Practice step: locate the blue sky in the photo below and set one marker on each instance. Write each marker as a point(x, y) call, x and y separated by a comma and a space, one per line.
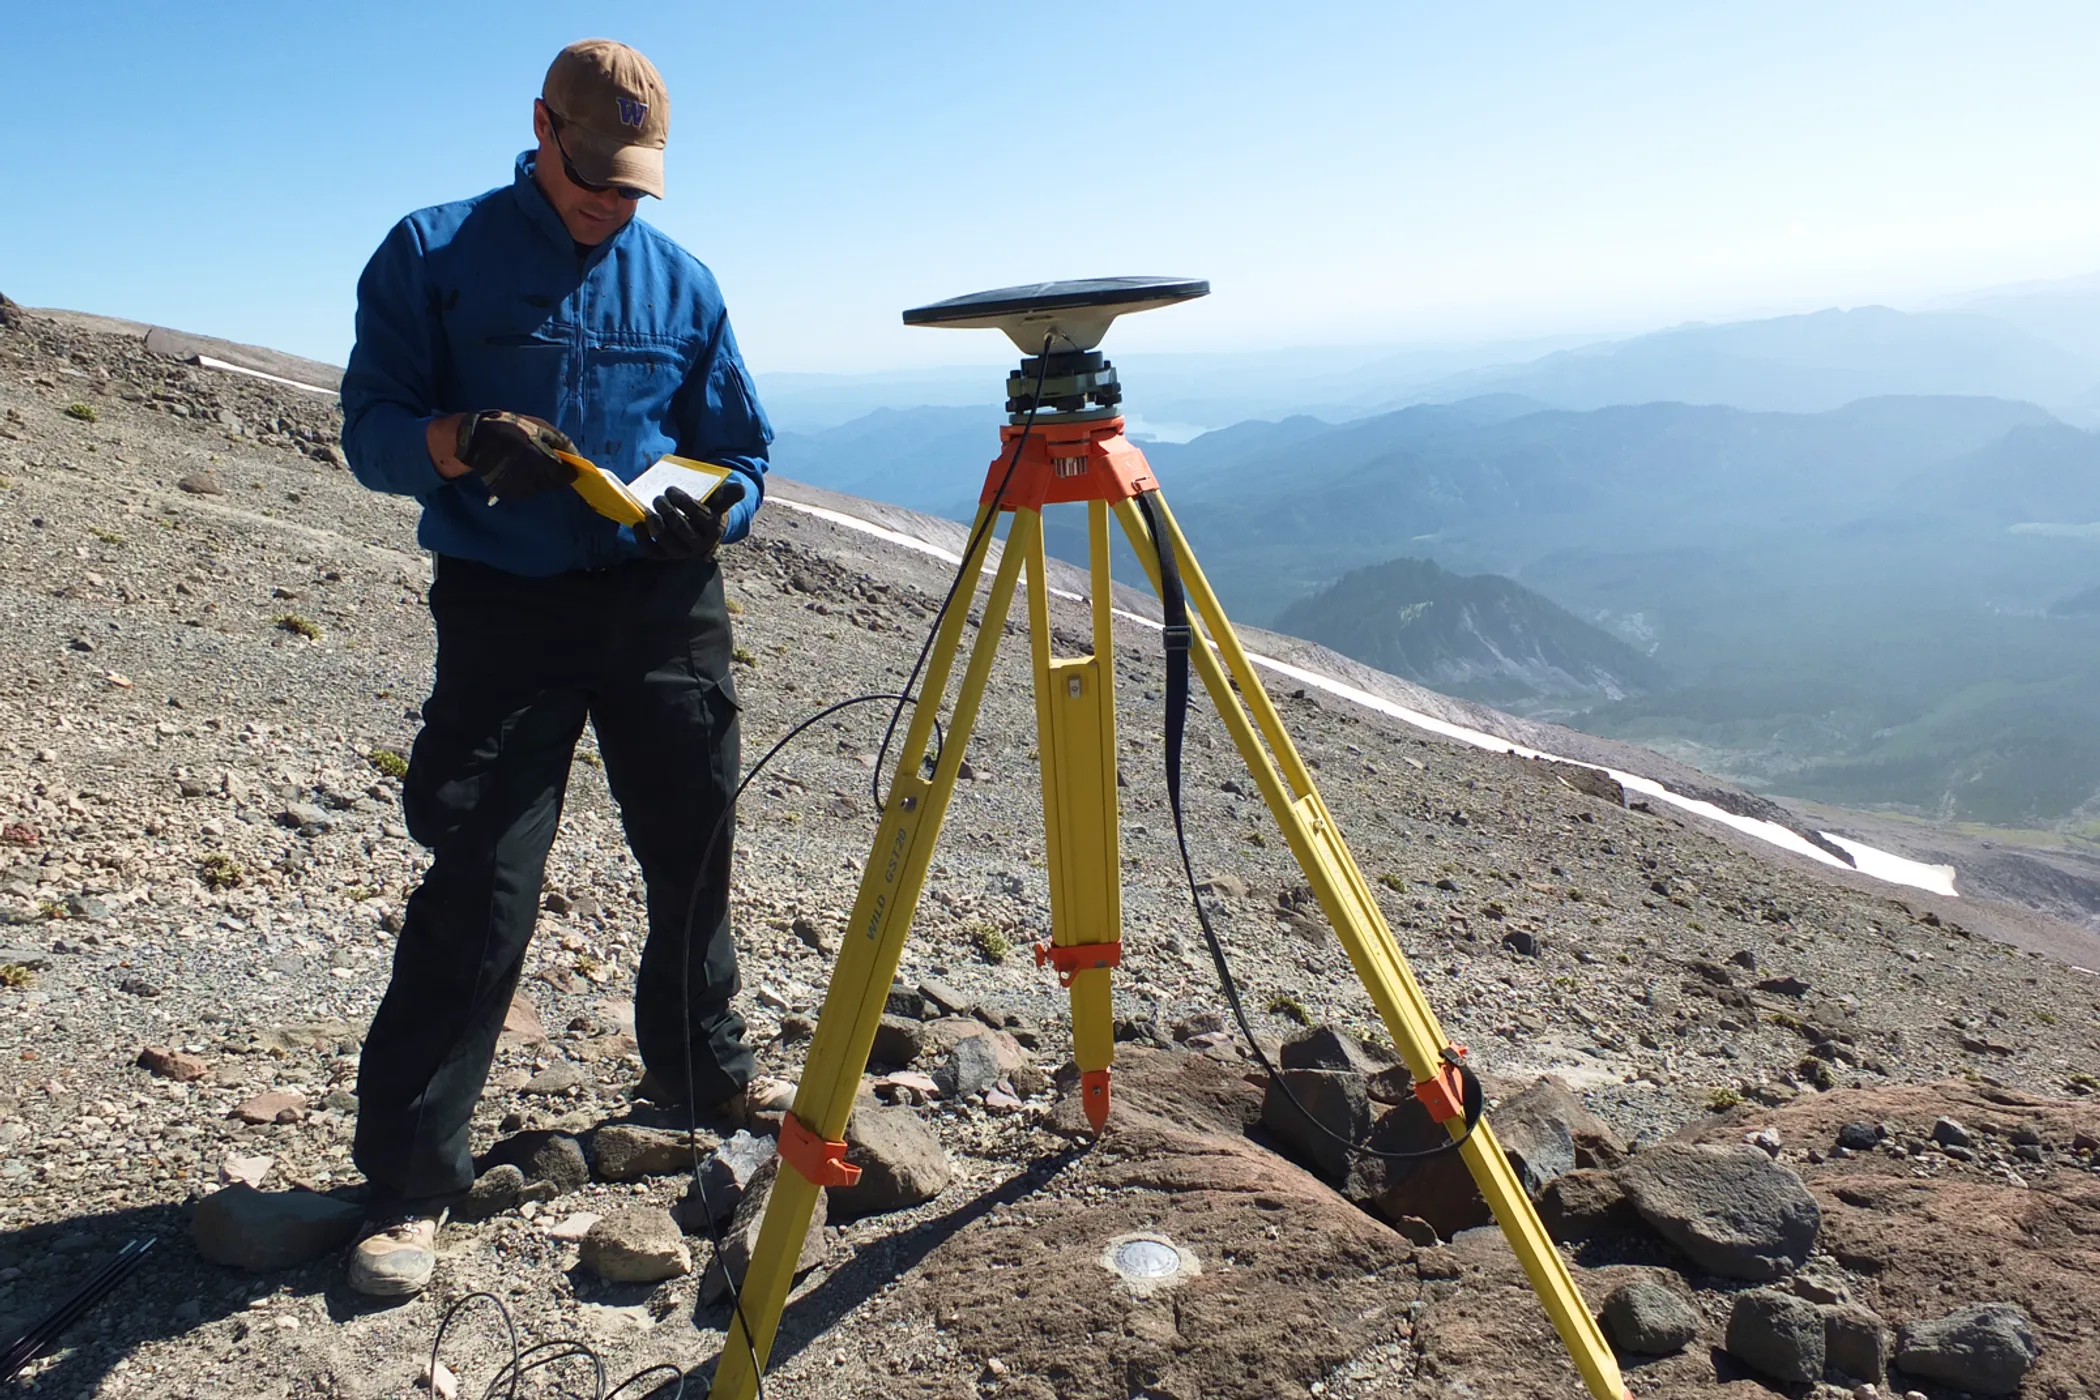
point(1345, 173)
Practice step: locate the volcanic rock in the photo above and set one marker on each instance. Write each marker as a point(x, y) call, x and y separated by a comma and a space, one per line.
point(1733, 1210)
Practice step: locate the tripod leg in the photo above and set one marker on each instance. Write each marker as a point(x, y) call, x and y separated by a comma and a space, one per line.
point(1346, 897)
point(811, 1139)
point(1075, 712)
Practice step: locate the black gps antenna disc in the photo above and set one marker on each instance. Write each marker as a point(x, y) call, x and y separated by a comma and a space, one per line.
point(1076, 314)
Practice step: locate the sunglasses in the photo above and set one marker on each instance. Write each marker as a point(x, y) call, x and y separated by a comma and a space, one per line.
point(568, 167)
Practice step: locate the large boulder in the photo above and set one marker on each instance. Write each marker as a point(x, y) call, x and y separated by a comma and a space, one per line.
point(1777, 1334)
point(900, 1158)
point(1317, 1113)
point(1732, 1210)
point(1544, 1129)
point(1326, 1047)
point(1984, 1348)
point(265, 1230)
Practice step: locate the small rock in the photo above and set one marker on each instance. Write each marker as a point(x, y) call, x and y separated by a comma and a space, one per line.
point(304, 816)
point(239, 1167)
point(899, 1041)
point(740, 1239)
point(1521, 942)
point(572, 1229)
point(641, 1244)
point(278, 1106)
point(261, 1231)
point(1985, 1348)
point(944, 998)
point(1744, 959)
point(1223, 884)
point(1777, 1334)
point(971, 1068)
point(522, 1027)
point(904, 1001)
point(724, 1177)
point(543, 1156)
point(437, 1378)
point(1765, 1140)
point(201, 484)
point(630, 1152)
point(493, 1192)
point(172, 1064)
point(561, 1077)
point(901, 1160)
point(1947, 1132)
point(1855, 1341)
point(806, 929)
point(795, 1029)
point(1859, 1137)
point(1645, 1318)
point(88, 907)
point(2027, 1135)
point(138, 986)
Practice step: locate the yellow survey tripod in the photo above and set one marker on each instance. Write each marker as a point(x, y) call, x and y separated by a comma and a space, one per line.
point(1066, 445)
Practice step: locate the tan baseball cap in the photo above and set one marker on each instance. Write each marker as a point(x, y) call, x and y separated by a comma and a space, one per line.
point(614, 113)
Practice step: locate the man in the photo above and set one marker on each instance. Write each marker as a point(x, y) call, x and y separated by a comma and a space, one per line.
point(538, 317)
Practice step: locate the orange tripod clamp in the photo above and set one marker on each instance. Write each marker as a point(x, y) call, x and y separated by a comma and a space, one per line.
point(821, 1161)
point(1443, 1093)
point(1075, 958)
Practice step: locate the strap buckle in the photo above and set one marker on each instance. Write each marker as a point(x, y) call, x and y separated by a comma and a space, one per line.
point(1075, 958)
point(821, 1161)
point(1180, 637)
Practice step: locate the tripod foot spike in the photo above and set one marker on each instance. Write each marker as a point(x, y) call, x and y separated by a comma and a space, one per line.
point(1093, 1089)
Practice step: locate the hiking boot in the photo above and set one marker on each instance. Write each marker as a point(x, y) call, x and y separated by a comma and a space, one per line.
point(395, 1259)
point(764, 1094)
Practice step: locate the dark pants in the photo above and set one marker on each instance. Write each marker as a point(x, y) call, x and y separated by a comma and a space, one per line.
point(642, 650)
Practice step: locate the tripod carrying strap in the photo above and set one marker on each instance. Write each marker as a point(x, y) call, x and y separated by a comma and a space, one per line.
point(1453, 1088)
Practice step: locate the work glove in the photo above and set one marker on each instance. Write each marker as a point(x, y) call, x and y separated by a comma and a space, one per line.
point(514, 454)
point(679, 527)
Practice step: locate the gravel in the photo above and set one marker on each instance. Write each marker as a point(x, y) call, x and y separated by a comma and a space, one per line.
point(215, 646)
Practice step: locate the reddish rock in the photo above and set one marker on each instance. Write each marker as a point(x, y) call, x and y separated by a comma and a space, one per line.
point(277, 1106)
point(172, 1064)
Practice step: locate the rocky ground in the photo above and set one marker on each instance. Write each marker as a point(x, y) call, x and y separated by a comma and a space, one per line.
point(215, 644)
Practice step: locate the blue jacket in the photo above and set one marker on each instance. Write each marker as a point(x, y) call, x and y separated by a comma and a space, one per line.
point(485, 304)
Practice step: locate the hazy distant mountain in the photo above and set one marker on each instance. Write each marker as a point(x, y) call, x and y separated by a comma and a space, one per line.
point(928, 459)
point(1480, 637)
point(2065, 313)
point(1798, 364)
point(1181, 394)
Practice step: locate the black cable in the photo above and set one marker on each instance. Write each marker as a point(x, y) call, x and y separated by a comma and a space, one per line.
point(542, 1355)
point(43, 1335)
point(1180, 638)
point(962, 572)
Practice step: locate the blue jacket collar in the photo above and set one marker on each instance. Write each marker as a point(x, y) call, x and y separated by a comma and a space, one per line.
point(540, 214)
